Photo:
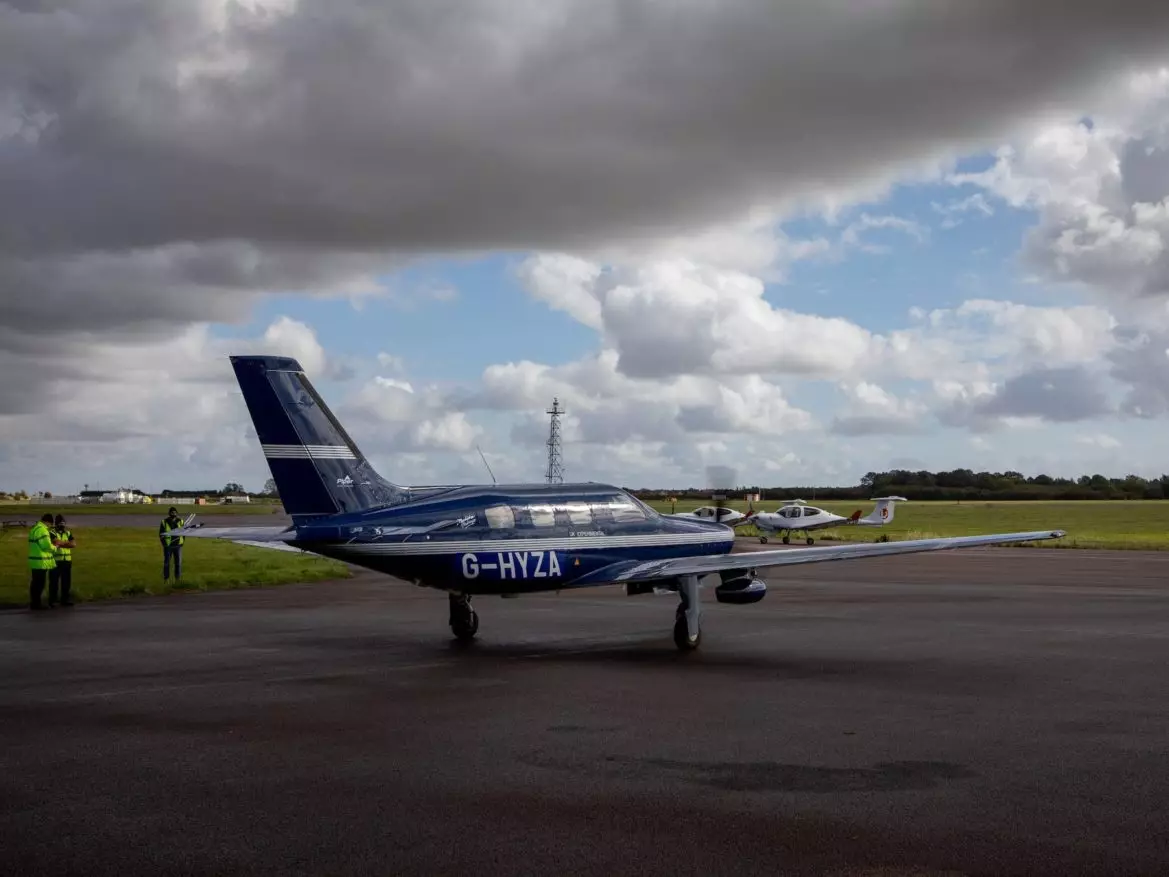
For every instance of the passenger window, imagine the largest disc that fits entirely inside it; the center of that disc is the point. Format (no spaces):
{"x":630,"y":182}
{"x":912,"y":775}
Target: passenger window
{"x":808,"y":512}
{"x":500,"y":517}
{"x":601,"y":513}
{"x":542,"y":515}
{"x":579,"y":513}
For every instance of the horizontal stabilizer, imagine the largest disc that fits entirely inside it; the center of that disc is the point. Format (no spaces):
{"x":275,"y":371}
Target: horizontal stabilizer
{"x":278,"y":546}
{"x":238,"y":534}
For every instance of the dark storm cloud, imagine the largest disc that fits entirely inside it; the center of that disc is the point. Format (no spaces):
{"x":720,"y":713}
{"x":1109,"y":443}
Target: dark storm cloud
{"x":165,"y":162}
{"x":144,"y":291}
{"x":501,"y":124}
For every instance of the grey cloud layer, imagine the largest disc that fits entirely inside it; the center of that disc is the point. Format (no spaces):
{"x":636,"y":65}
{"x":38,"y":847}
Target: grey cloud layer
{"x":158,"y":157}
{"x":500,"y":124}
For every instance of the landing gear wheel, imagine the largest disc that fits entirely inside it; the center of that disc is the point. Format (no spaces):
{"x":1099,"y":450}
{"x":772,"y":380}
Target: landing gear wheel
{"x":464,"y":620}
{"x":763,"y":540}
{"x":786,"y":540}
{"x":682,"y":634}
{"x":810,"y":540}
{"x":466,"y":628}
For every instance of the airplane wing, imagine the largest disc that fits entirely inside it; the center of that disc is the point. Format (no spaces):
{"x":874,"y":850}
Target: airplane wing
{"x":749,"y":560}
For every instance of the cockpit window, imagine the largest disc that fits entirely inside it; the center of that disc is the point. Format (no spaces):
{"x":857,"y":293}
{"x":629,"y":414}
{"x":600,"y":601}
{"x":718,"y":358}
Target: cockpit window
{"x":650,"y":512}
{"x":625,"y":512}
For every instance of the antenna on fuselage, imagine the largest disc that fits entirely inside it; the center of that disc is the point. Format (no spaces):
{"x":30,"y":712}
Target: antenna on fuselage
{"x":484,"y":459}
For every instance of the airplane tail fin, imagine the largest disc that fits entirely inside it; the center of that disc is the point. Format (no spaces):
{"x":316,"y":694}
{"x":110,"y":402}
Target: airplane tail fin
{"x":317,"y":468}
{"x":882,"y":513}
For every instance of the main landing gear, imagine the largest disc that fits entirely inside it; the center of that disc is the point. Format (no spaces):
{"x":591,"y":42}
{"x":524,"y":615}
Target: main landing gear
{"x":786,"y":539}
{"x":687,"y":626}
{"x":464,"y":620}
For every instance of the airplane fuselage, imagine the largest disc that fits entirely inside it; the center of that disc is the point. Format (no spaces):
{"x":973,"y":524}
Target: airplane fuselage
{"x":774,"y":522}
{"x":494,"y":539}
{"x":508,"y":539}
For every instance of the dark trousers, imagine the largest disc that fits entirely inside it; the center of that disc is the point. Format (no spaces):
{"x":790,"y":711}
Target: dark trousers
{"x":175,"y":551}
{"x":36,"y":587}
{"x":60,"y":581}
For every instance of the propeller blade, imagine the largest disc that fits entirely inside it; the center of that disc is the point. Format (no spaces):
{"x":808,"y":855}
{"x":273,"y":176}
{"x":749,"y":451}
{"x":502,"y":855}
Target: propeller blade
{"x":721,"y":481}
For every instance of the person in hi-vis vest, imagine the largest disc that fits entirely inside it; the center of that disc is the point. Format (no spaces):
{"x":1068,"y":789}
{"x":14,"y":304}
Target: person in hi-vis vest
{"x":61,"y":576}
{"x":172,"y":546}
{"x":41,"y":559}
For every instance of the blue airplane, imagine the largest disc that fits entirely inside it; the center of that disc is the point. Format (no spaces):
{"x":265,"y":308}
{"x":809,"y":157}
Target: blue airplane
{"x":506,"y":540}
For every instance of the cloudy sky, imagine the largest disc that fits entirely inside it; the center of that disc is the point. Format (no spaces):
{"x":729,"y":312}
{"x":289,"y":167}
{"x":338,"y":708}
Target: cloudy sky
{"x":806,"y":239}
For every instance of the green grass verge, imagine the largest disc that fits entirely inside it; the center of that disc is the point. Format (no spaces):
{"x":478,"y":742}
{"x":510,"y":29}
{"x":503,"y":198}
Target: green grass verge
{"x":1121,"y":524}
{"x":123,"y":561}
{"x":18,"y":509}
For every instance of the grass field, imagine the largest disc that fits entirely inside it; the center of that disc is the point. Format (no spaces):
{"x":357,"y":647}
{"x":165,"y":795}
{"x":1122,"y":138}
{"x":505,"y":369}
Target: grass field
{"x":1133,"y":524}
{"x":33,"y":511}
{"x":122,"y":561}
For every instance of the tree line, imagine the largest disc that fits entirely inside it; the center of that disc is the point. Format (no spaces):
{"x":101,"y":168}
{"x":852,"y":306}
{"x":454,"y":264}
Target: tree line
{"x":956,"y":484}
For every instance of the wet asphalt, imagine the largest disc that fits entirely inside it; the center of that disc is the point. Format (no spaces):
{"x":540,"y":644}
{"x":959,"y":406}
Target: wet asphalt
{"x":999,"y":711}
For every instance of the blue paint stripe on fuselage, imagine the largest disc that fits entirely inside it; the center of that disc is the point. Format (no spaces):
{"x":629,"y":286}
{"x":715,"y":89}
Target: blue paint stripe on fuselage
{"x":493,"y":568}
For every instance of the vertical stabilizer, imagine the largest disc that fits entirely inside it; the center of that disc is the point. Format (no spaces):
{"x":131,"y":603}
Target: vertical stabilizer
{"x":883,"y":512}
{"x":317,"y":468}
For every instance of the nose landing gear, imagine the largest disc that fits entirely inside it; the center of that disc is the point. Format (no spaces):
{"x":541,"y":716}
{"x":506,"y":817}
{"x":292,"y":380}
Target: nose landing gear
{"x":464,"y":620}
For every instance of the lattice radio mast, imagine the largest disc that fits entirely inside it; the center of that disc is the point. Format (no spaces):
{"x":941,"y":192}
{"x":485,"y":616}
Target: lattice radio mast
{"x":555,"y":471}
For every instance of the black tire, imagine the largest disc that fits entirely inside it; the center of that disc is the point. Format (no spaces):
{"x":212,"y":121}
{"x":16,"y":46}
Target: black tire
{"x":682,"y":636}
{"x":466,"y":627}
{"x":786,"y":540}
{"x":810,"y":540}
{"x":763,"y":540}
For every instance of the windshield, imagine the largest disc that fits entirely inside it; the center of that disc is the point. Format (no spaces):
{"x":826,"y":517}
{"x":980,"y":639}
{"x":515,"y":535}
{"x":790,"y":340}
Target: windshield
{"x":649,"y":512}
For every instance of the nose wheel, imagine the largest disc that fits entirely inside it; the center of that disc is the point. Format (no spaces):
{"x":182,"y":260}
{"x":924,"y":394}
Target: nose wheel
{"x":464,"y":620}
